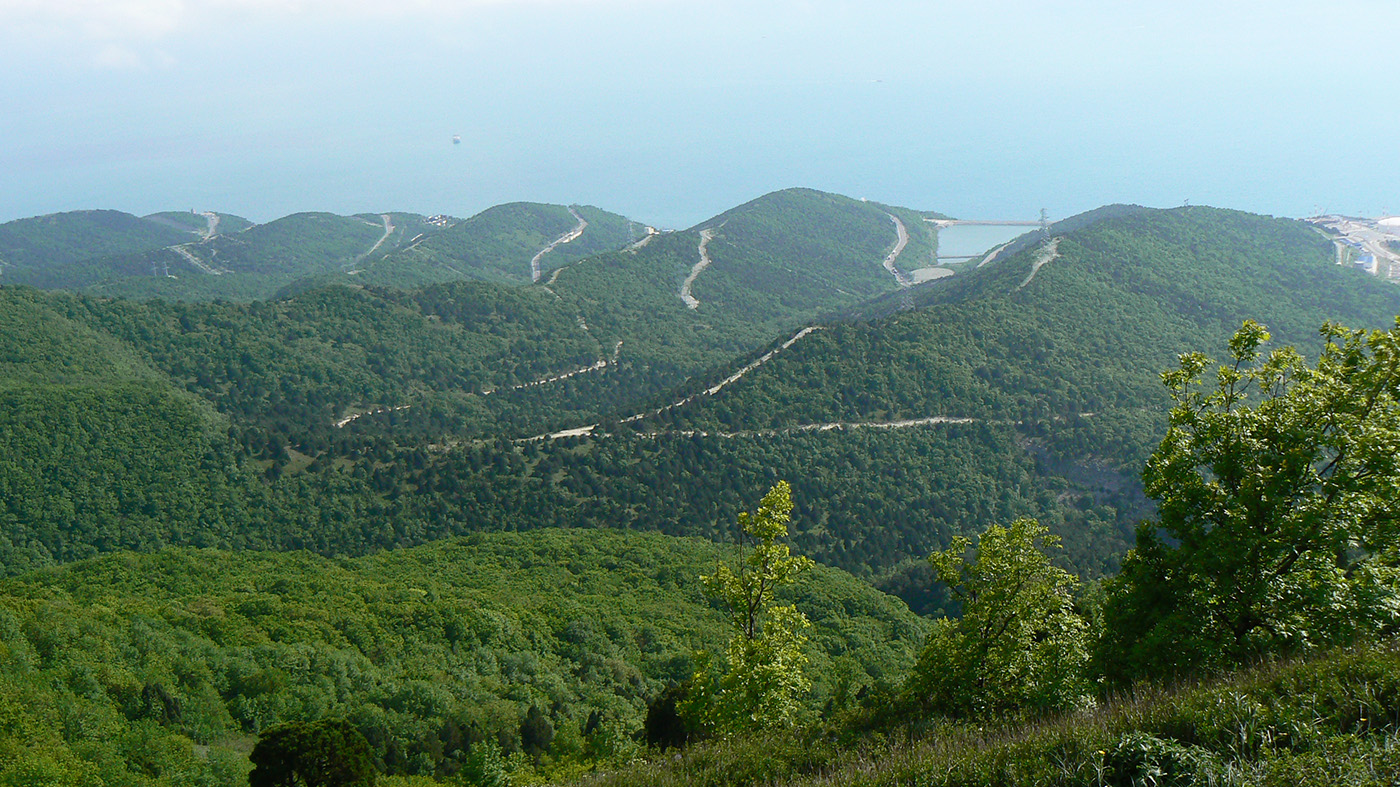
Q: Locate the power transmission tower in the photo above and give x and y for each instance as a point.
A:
(1044, 223)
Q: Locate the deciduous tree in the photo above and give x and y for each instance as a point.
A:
(1278, 490)
(763, 682)
(1019, 645)
(325, 753)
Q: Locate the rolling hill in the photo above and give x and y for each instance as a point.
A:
(454, 512)
(1079, 323)
(63, 250)
(508, 243)
(175, 660)
(201, 224)
(203, 256)
(1027, 387)
(767, 267)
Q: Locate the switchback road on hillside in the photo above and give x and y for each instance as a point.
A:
(567, 237)
(197, 262)
(829, 426)
(706, 235)
(1048, 252)
(901, 240)
(733, 378)
(388, 230)
(711, 391)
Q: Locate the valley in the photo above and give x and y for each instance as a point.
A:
(457, 480)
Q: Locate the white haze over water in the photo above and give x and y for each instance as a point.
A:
(672, 111)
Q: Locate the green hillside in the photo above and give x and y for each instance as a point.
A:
(1066, 337)
(499, 243)
(411, 549)
(776, 263)
(402, 250)
(199, 223)
(1320, 723)
(822, 250)
(98, 452)
(1057, 380)
(161, 668)
(1051, 388)
(312, 359)
(70, 249)
(298, 245)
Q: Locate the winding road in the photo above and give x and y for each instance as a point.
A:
(901, 240)
(388, 230)
(652, 232)
(711, 391)
(717, 387)
(596, 366)
(992, 255)
(706, 235)
(567, 237)
(1048, 252)
(197, 262)
(351, 418)
(909, 423)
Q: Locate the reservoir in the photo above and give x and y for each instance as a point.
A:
(967, 240)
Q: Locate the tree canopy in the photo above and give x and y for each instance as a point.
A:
(1278, 490)
(764, 681)
(1019, 644)
(325, 753)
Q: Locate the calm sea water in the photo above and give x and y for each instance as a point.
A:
(965, 240)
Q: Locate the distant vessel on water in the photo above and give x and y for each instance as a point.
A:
(456, 139)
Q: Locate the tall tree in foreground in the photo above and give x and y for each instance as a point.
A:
(1019, 646)
(763, 682)
(326, 753)
(1278, 491)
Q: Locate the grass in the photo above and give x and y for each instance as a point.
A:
(1331, 720)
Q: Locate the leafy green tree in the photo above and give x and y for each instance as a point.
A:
(764, 682)
(1019, 645)
(325, 753)
(1278, 490)
(484, 766)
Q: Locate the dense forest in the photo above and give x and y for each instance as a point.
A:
(1057, 412)
(266, 496)
(162, 668)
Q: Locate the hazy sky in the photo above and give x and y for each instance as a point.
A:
(670, 112)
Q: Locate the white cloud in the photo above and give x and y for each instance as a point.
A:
(102, 20)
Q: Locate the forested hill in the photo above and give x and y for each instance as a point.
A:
(1047, 371)
(200, 224)
(399, 250)
(162, 668)
(801, 240)
(501, 243)
(597, 334)
(1077, 323)
(258, 261)
(322, 438)
(203, 256)
(62, 249)
(684, 301)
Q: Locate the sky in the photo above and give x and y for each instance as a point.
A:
(671, 111)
